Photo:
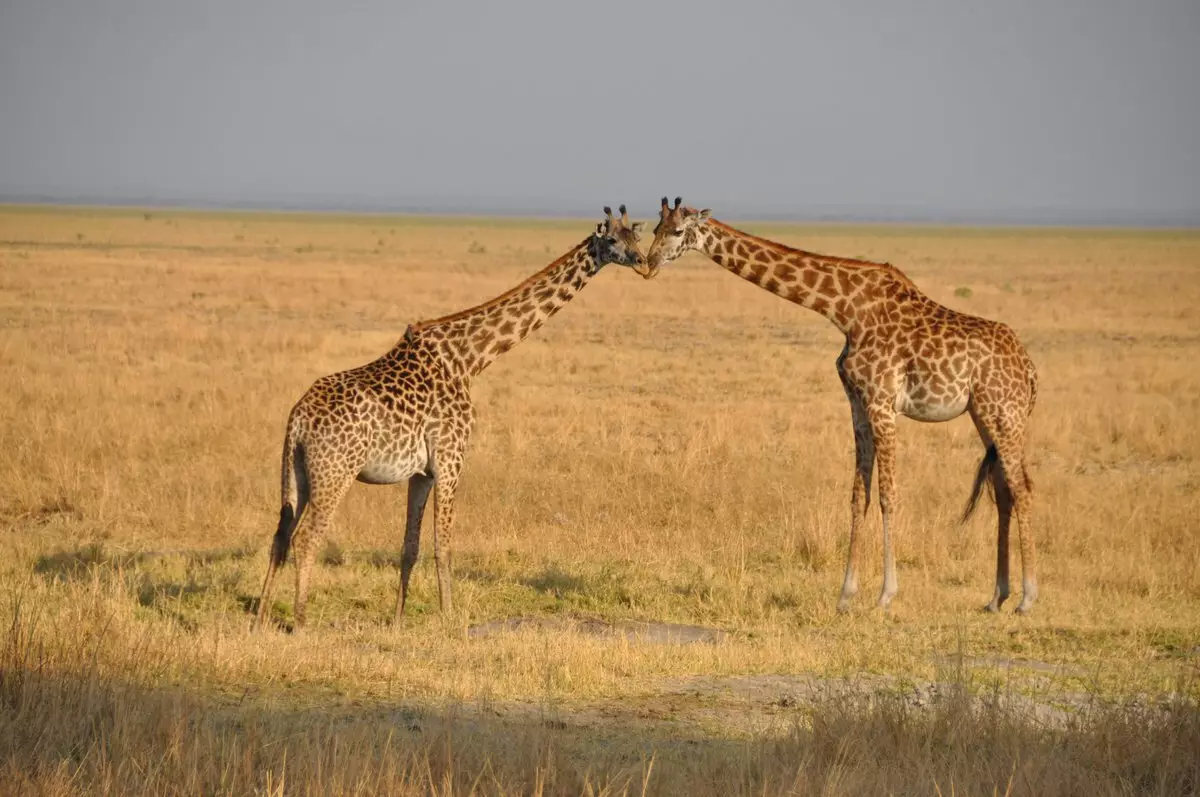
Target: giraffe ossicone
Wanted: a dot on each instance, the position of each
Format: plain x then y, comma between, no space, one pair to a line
905,354
407,416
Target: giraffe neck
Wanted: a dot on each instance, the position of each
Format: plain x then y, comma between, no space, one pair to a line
835,287
471,340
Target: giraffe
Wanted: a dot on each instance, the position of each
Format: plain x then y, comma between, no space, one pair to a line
407,416
904,354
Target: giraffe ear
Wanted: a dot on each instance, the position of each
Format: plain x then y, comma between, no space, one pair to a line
638,226
704,215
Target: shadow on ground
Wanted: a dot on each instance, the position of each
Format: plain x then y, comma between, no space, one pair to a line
83,729
631,630
77,563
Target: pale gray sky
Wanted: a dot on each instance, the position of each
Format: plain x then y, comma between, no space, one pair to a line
1031,110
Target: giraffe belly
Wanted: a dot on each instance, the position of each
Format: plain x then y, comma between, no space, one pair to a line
394,466
932,409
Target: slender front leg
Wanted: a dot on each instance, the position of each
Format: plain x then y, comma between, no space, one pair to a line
419,487
860,495
450,446
443,535
883,429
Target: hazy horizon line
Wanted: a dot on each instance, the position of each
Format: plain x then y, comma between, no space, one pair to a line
860,214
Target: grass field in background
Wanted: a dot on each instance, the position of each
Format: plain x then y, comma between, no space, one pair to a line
677,451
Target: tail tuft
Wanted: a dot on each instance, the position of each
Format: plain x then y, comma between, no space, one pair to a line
283,536
982,477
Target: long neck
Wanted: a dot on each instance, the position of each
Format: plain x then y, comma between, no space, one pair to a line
472,339
835,287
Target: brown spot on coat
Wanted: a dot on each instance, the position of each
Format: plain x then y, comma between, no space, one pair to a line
828,287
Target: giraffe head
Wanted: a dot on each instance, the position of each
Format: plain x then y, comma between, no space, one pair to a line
678,231
616,241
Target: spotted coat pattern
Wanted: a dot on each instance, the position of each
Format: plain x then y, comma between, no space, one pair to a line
904,354
407,416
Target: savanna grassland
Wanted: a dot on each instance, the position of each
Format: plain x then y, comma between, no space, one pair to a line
674,451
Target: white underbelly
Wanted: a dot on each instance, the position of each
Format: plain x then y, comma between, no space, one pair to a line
391,466
931,409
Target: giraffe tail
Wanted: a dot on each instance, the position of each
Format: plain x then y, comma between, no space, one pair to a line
295,489
982,477
1032,376
289,513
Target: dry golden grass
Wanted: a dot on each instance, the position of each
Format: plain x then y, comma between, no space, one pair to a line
670,451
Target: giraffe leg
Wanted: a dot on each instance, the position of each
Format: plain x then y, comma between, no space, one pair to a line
443,534
306,544
1020,485
860,495
324,502
883,429
419,487
1014,496
989,470
1004,505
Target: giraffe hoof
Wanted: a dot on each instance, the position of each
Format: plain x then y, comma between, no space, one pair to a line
998,599
843,606
1028,596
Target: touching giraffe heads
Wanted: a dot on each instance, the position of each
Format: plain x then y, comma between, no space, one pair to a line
616,241
678,231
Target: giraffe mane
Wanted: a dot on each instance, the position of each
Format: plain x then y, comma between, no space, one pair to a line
470,311
885,268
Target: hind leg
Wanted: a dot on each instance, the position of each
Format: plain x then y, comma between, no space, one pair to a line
325,498
1004,504
860,494
1014,497
1020,485
419,487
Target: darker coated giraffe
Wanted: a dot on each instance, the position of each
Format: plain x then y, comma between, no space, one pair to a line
407,415
904,354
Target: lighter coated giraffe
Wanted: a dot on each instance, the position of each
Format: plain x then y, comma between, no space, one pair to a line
904,354
407,416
